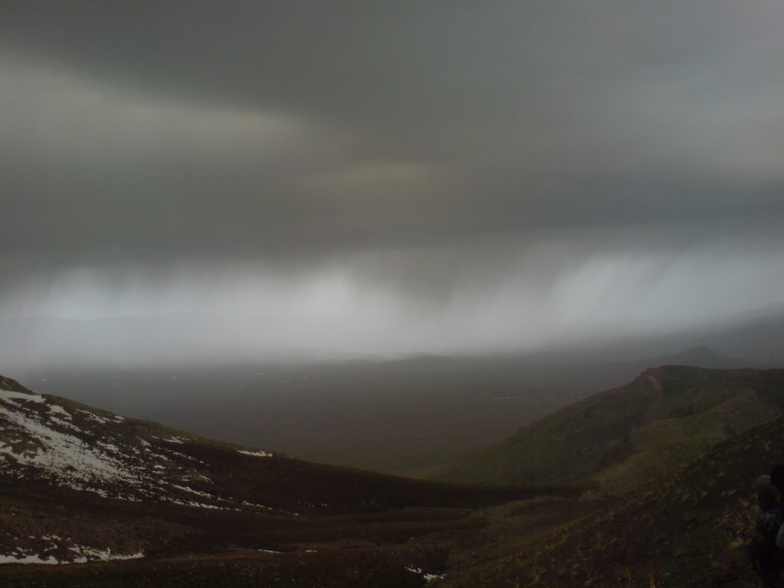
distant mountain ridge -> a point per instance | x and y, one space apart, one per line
625 436
701 356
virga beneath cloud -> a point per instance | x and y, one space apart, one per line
429 177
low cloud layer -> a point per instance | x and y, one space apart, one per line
493 297
428 177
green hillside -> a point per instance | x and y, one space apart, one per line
626 436
688 529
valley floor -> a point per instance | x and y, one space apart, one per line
397 549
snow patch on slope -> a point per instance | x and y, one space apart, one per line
9 395
258 453
61 453
82 554
95 452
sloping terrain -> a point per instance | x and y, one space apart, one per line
79 487
72 445
411 417
688 529
625 436
88 488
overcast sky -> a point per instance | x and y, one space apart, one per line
394 177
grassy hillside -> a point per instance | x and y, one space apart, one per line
625 436
688 529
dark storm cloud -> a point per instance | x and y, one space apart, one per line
404 154
536 114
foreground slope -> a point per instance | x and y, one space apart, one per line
688 529
81 485
625 436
